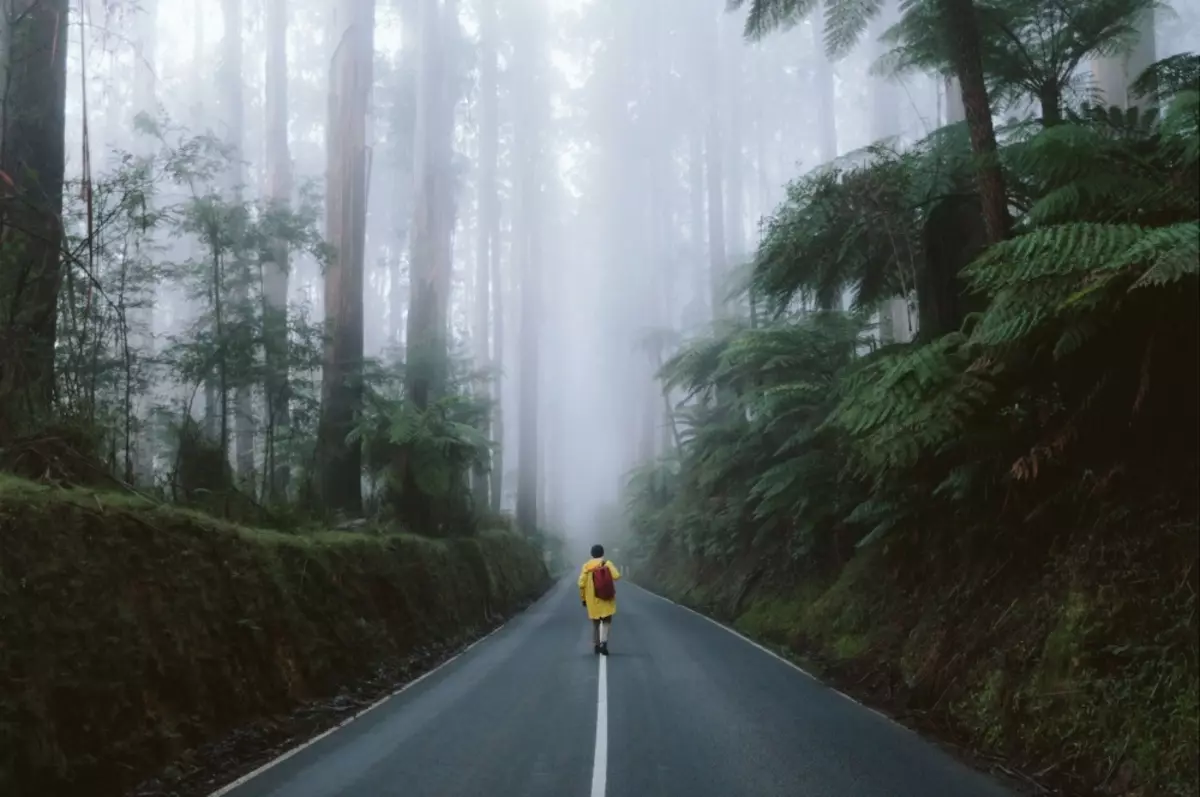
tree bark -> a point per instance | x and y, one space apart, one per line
142 316
963 27
341 383
32 128
433 217
233 116
275 270
529 246
487 245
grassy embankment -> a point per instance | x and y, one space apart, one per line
1069 658
131 634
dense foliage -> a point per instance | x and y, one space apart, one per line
1075 371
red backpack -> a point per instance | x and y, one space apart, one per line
602 582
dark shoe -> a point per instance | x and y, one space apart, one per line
596 648
604 648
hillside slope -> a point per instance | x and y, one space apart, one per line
131 634
1069 657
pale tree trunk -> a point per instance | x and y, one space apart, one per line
145 53
196 110
32 129
698 233
142 317
213 412
275 270
954 112
346 212
405 103
894 315
714 173
735 189
234 117
487 247
528 248
1115 75
498 360
822 76
433 223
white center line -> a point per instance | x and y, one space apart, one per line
600 761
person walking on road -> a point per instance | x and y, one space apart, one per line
598 592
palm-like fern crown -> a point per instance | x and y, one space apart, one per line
1030 48
1086 338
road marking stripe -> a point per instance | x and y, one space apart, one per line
600 760
249 776
776 656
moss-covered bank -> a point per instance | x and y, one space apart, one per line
131 633
1071 659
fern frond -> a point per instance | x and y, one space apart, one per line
845 22
1174 253
768 16
1051 252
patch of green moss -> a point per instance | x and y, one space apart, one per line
773 620
134 631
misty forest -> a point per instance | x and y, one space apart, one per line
333 333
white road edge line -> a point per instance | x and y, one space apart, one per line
600 759
777 657
249 776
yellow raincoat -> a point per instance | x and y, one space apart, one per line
596 608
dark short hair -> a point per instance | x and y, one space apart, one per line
597 551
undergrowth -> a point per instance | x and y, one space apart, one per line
132 632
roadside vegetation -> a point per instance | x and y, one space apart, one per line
992 530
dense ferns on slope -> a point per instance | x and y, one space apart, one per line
1080 366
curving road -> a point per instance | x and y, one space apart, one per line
682 708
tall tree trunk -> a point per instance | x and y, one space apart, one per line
698 228
199 118
951 91
433 224
498 360
717 265
139 339
894 324
488 244
822 75
404 123
346 208
1115 74
32 129
275 270
145 51
529 246
735 189
716 223
963 27
885 105
233 116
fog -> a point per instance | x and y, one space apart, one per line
594 172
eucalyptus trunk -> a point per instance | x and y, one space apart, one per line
276 268
488 244
32 129
340 461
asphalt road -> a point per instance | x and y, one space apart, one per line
682 708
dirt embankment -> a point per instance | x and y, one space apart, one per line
1068 661
135 637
